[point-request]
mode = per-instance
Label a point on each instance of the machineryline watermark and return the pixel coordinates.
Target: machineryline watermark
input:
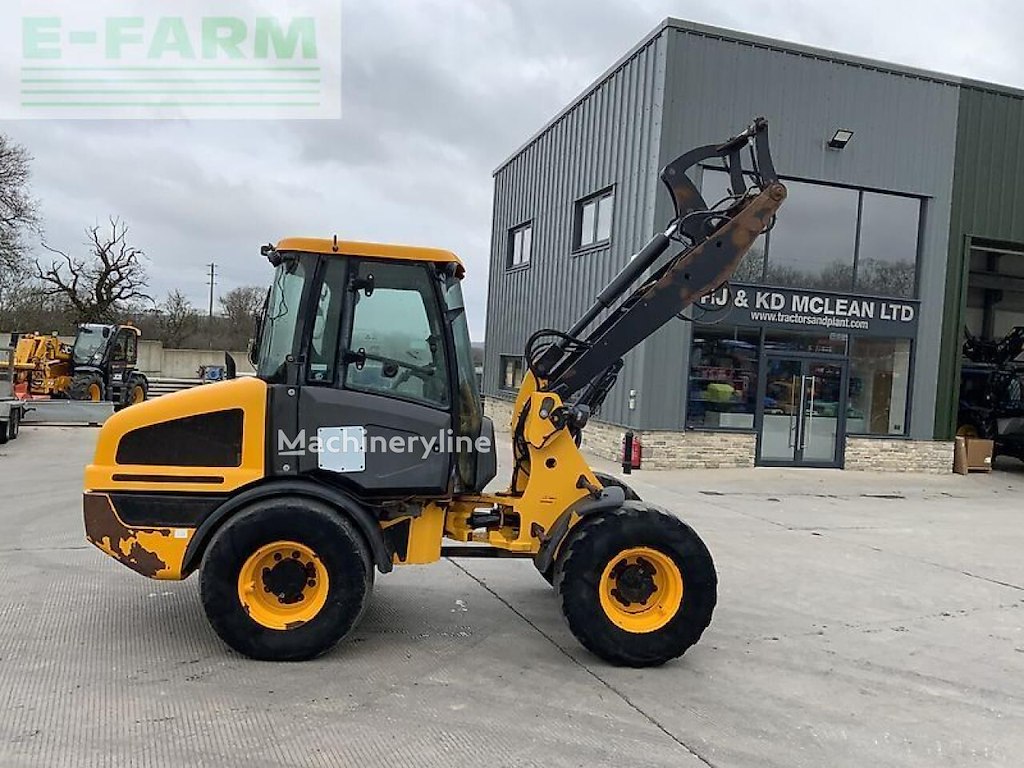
(346, 442)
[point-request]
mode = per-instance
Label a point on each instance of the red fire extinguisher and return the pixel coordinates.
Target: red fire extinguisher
(631, 452)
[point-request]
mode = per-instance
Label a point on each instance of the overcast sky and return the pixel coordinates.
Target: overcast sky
(435, 95)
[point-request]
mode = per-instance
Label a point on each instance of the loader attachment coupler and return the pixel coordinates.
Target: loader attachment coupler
(580, 365)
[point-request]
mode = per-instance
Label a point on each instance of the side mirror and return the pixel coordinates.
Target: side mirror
(253, 352)
(230, 369)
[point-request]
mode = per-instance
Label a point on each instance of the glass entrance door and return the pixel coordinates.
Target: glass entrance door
(803, 409)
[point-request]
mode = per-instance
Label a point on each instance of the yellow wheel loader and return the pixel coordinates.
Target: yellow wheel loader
(361, 445)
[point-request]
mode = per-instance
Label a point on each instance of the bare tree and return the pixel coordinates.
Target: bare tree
(18, 217)
(238, 306)
(103, 284)
(178, 319)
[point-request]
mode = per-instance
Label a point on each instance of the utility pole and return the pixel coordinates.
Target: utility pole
(213, 282)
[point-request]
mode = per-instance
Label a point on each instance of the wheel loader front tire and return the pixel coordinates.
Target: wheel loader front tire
(636, 585)
(607, 481)
(285, 580)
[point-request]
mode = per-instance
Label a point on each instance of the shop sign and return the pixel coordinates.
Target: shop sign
(785, 308)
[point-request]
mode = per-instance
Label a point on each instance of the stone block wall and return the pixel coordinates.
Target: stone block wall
(714, 450)
(661, 449)
(887, 455)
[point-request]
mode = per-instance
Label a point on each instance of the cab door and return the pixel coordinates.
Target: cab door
(123, 357)
(376, 389)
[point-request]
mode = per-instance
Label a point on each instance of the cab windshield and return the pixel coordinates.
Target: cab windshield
(280, 318)
(89, 342)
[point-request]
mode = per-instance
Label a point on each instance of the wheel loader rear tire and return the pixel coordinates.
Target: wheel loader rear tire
(636, 585)
(286, 580)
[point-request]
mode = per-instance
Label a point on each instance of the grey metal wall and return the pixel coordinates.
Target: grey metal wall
(904, 141)
(610, 137)
(688, 85)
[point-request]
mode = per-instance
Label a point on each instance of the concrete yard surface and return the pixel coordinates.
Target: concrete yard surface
(862, 620)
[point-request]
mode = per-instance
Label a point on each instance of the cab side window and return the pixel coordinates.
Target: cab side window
(396, 344)
(323, 342)
(119, 352)
(131, 352)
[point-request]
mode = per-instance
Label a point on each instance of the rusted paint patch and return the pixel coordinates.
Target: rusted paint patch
(155, 553)
(293, 624)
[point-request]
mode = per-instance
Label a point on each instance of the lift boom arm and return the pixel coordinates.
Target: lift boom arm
(582, 364)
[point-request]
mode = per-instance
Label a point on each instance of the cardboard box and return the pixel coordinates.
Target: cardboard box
(979, 454)
(972, 454)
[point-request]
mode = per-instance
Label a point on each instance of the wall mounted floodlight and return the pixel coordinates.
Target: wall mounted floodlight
(840, 139)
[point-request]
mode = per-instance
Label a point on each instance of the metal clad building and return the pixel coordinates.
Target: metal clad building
(873, 230)
(609, 138)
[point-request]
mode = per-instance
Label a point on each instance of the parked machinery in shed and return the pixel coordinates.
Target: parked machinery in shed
(992, 391)
(361, 444)
(101, 365)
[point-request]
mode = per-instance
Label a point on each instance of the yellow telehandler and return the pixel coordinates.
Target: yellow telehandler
(361, 444)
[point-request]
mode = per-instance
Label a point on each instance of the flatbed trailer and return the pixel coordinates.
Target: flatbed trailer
(12, 410)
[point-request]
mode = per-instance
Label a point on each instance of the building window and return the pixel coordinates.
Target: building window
(520, 243)
(832, 239)
(813, 243)
(879, 375)
(723, 378)
(512, 369)
(887, 253)
(593, 221)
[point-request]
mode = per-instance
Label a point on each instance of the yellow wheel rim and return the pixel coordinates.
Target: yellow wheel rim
(967, 430)
(94, 392)
(641, 590)
(282, 585)
(138, 395)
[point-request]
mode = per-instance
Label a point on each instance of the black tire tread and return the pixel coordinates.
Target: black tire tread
(134, 381)
(79, 389)
(576, 584)
(342, 549)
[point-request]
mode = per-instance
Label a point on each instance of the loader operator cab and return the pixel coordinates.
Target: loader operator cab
(376, 337)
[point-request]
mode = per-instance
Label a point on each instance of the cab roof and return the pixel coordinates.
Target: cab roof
(333, 246)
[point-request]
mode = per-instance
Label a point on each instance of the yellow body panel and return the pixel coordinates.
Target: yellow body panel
(555, 466)
(334, 247)
(249, 394)
(425, 534)
(159, 551)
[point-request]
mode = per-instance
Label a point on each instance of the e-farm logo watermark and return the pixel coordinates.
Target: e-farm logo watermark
(275, 59)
